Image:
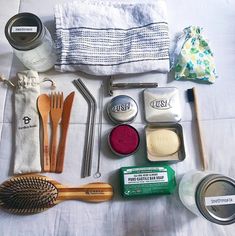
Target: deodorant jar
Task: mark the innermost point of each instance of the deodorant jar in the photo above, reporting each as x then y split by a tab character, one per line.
31	42
209	195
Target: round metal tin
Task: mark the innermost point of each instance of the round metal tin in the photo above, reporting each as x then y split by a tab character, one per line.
122	109
24	31
215	199
124	140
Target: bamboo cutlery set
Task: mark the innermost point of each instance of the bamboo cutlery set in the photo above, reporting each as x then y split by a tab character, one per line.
59	111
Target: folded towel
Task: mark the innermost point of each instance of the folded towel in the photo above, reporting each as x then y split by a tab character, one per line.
108	38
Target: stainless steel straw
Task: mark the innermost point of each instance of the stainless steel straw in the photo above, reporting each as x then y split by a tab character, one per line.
101	97
87	163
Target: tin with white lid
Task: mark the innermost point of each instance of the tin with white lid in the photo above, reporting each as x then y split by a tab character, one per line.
209	195
122	109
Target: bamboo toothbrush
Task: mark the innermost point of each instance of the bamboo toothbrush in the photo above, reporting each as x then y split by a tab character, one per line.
192	97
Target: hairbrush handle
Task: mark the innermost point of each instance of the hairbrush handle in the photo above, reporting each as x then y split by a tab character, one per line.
200	139
92	192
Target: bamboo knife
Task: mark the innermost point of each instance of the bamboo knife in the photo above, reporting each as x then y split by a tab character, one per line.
68	102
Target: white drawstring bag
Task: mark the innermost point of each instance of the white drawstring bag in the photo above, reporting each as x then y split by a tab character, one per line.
27	146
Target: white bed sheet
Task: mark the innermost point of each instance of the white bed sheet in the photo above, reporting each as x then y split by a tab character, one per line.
159	215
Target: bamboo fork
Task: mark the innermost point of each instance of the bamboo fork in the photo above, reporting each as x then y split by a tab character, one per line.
56	113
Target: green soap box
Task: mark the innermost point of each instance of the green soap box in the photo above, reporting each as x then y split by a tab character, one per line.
149	180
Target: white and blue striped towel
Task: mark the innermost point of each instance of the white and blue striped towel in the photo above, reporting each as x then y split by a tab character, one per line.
108	38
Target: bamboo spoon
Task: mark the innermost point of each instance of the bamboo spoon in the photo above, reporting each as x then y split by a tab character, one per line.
44	109
27	194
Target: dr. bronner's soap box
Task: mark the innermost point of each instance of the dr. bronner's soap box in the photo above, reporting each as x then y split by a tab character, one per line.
142	181
164	135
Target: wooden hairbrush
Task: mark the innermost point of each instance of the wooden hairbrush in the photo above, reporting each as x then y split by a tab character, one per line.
27	194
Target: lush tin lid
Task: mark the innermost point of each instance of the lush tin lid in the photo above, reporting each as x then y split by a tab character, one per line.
162	104
122	109
215	199
24	31
124	140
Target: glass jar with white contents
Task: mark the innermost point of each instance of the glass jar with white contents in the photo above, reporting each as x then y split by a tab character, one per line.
31	41
209	195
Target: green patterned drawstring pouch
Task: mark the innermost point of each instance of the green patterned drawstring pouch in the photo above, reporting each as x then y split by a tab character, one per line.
195	60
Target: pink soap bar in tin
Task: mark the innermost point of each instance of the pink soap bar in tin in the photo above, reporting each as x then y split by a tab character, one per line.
124	140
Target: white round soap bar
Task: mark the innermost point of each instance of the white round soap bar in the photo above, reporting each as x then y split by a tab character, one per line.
162	142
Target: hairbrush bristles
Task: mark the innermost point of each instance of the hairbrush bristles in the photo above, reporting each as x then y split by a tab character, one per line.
27	195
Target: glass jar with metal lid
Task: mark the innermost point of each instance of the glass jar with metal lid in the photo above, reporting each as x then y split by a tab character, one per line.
31	41
209	195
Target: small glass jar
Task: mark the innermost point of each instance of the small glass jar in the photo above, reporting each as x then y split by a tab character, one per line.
31	42
209	195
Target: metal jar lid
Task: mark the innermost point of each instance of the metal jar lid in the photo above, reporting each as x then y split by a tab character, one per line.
122	109
215	199
24	31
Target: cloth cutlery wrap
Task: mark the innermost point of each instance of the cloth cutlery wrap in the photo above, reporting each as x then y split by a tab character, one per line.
108	38
27	147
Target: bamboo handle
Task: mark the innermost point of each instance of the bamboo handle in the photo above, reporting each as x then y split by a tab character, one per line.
46	157
61	152
53	147
93	192
200	139
67	106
